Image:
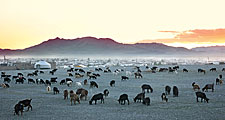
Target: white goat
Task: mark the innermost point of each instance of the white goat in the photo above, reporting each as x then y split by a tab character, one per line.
69	83
48	89
79	84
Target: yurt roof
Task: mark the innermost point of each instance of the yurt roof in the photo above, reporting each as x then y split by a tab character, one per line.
42	63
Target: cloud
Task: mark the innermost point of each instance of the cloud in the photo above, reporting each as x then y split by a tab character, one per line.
197	36
169	31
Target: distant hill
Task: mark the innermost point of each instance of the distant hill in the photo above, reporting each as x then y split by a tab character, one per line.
91	46
211	49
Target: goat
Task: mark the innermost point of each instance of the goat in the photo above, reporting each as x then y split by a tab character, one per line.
55	90
84	93
79	76
175	91
65	94
92	77
122	99
96	97
112	83
213	69
74	97
53	80
202	96
167	90
62	82
208	86
220	76
14	77
106	92
6	79
185	70
19	80
201	70
195	86
70	74
124	78
38	81
69	83
85	82
148	87
48	89
146	101
78	84
163	96
26	103
18	108
137	75
93	84
30	80
219	81
42	81
47	82
139	97
79	91
5	85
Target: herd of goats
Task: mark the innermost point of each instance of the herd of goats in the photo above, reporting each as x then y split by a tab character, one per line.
82	93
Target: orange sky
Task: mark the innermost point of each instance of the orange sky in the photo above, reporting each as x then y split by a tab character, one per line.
193	38
187	23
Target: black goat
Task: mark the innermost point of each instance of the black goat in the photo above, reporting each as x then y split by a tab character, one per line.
112	83
163	96
208	86
26	103
30	80
18	108
148	87
202	96
123	99
62	82
93	84
167	90
56	90
124	78
97	97
146	101
106	92
175	91
139	97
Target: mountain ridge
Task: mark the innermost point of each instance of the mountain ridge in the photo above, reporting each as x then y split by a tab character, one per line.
98	46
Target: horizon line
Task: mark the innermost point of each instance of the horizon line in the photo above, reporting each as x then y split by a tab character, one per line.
130	43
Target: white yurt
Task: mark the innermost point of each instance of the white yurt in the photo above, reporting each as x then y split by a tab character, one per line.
42	65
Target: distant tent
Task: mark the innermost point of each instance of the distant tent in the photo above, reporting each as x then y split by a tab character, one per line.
42	65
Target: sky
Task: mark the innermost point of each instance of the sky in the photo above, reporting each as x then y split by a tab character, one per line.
180	23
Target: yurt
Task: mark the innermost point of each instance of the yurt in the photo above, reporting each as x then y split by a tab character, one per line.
42	65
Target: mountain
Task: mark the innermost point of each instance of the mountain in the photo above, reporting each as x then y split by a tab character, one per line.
91	46
210	49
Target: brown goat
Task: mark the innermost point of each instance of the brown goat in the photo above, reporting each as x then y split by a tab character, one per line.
85	82
221	82
74	97
195	86
83	94
66	93
208	86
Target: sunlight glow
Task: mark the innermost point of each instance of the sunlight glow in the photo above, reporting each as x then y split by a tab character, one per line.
24	23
